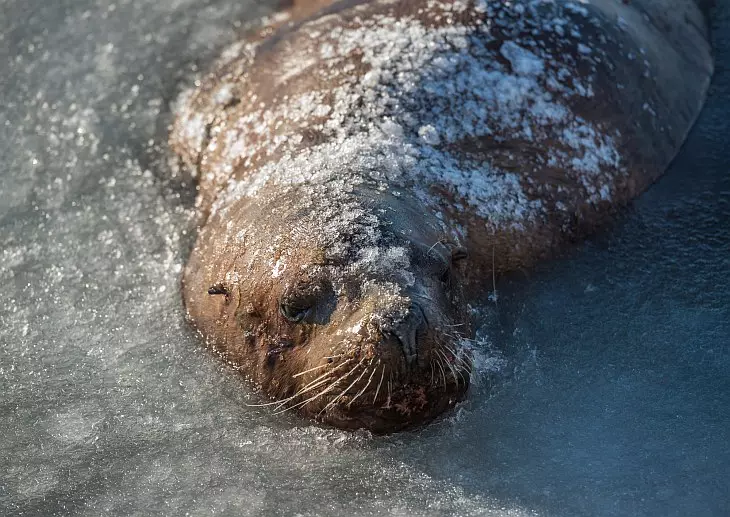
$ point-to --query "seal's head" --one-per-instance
(342, 302)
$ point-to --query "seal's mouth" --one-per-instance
(409, 406)
(398, 406)
(375, 389)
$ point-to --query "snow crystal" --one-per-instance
(224, 95)
(394, 260)
(522, 60)
(429, 135)
(279, 268)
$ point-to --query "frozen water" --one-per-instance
(604, 390)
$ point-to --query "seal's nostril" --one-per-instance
(418, 316)
(404, 334)
(405, 342)
(408, 340)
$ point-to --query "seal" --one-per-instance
(366, 170)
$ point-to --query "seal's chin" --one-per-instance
(408, 405)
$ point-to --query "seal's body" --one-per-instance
(350, 159)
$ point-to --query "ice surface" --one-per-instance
(604, 390)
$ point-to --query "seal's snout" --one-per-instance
(404, 334)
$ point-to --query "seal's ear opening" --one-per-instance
(218, 289)
(458, 253)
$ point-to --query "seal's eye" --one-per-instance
(308, 300)
(458, 253)
(293, 313)
(455, 254)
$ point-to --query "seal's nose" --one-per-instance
(405, 332)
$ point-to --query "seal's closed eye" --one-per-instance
(294, 313)
(309, 300)
(458, 253)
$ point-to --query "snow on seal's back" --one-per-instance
(403, 94)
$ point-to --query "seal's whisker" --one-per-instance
(336, 382)
(332, 386)
(456, 337)
(382, 376)
(494, 278)
(322, 379)
(310, 370)
(454, 334)
(458, 363)
(273, 403)
(314, 386)
(445, 371)
(390, 391)
(459, 352)
(454, 329)
(370, 379)
(315, 382)
(325, 375)
(330, 372)
(448, 364)
(302, 392)
(461, 337)
(311, 399)
(463, 368)
(464, 360)
(443, 374)
(342, 394)
(458, 357)
(334, 369)
(432, 247)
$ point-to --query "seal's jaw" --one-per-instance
(383, 398)
(410, 406)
